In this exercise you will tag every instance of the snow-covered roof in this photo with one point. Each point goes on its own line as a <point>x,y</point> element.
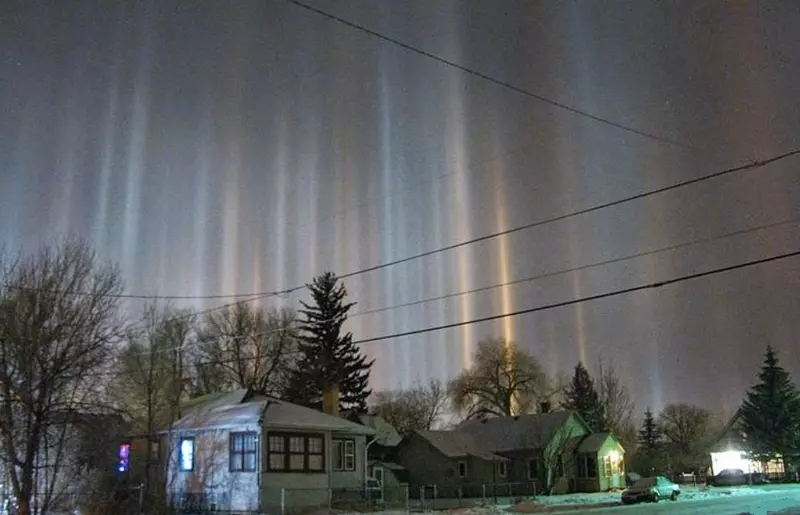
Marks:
<point>242,408</point>
<point>282,414</point>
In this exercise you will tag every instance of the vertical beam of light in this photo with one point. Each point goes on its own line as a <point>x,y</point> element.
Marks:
<point>200,205</point>
<point>134,169</point>
<point>71,131</point>
<point>108,153</point>
<point>281,191</point>
<point>389,249</point>
<point>460,206</point>
<point>503,261</point>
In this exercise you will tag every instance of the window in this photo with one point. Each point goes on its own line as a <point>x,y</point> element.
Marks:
<point>587,466</point>
<point>344,455</point>
<point>154,450</point>
<point>186,454</point>
<point>462,469</point>
<point>243,452</point>
<point>533,468</point>
<point>607,471</point>
<point>295,453</point>
<point>501,469</point>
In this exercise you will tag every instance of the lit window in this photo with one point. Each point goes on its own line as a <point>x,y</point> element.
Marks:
<point>344,455</point>
<point>186,454</point>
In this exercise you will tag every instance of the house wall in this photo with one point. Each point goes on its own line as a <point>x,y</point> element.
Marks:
<point>298,490</point>
<point>517,479</point>
<point>211,481</point>
<point>615,451</point>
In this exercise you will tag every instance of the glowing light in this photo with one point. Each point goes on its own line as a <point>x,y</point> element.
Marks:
<point>730,460</point>
<point>124,457</point>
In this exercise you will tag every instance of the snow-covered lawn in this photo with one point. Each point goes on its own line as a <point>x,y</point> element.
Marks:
<point>687,492</point>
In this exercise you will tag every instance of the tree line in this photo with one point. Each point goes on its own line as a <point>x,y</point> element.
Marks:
<point>68,347</point>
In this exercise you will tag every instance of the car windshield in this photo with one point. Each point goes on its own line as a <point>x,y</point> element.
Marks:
<point>644,483</point>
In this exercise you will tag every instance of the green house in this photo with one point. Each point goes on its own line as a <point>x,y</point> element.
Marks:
<point>554,451</point>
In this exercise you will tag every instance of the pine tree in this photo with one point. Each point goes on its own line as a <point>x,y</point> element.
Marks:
<point>771,413</point>
<point>581,396</point>
<point>650,433</point>
<point>328,356</point>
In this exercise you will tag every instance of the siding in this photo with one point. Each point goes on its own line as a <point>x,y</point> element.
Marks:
<point>297,490</point>
<point>211,478</point>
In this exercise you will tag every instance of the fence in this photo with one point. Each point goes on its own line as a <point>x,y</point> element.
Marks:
<point>444,497</point>
<point>292,501</point>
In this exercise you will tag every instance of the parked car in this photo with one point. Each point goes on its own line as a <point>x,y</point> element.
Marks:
<point>737,477</point>
<point>651,489</point>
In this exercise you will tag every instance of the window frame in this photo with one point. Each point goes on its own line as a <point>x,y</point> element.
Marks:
<point>502,469</point>
<point>341,445</point>
<point>608,470</point>
<point>287,453</point>
<point>239,458</point>
<point>182,439</point>
<point>459,467</point>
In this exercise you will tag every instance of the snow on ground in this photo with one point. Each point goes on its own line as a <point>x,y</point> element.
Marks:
<point>687,492</point>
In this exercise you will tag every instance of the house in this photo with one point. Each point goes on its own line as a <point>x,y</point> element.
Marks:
<point>555,451</point>
<point>450,460</point>
<point>382,466</point>
<point>730,452</point>
<point>243,452</point>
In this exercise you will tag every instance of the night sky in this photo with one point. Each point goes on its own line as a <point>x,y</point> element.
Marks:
<point>229,147</point>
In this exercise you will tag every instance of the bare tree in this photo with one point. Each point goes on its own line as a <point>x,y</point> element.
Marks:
<point>618,408</point>
<point>685,428</point>
<point>246,347</point>
<point>58,323</point>
<point>504,380</point>
<point>557,455</point>
<point>151,382</point>
<point>417,409</point>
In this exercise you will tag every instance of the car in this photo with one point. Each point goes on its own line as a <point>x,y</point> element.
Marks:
<point>651,489</point>
<point>737,477</point>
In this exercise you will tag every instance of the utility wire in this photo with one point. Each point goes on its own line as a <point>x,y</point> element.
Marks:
<point>498,82</point>
<point>669,248</point>
<point>249,297</point>
<point>546,307</point>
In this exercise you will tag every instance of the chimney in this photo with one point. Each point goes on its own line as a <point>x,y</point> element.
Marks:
<point>544,407</point>
<point>330,401</point>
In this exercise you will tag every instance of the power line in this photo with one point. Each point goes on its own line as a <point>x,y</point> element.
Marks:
<point>581,300</point>
<point>576,269</point>
<point>498,82</point>
<point>573,214</point>
<point>546,307</point>
<point>588,266</point>
<point>250,297</point>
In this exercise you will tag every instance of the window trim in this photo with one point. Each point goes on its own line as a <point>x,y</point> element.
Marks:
<point>466,470</point>
<point>240,456</point>
<point>502,469</point>
<point>180,453</point>
<point>343,444</point>
<point>287,454</point>
<point>532,476</point>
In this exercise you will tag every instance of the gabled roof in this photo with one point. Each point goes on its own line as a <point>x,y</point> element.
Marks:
<point>386,434</point>
<point>503,434</point>
<point>453,444</point>
<point>243,408</point>
<point>731,438</point>
<point>594,441</point>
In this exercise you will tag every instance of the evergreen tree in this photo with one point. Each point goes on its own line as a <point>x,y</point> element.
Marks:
<point>328,356</point>
<point>771,413</point>
<point>650,433</point>
<point>581,396</point>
